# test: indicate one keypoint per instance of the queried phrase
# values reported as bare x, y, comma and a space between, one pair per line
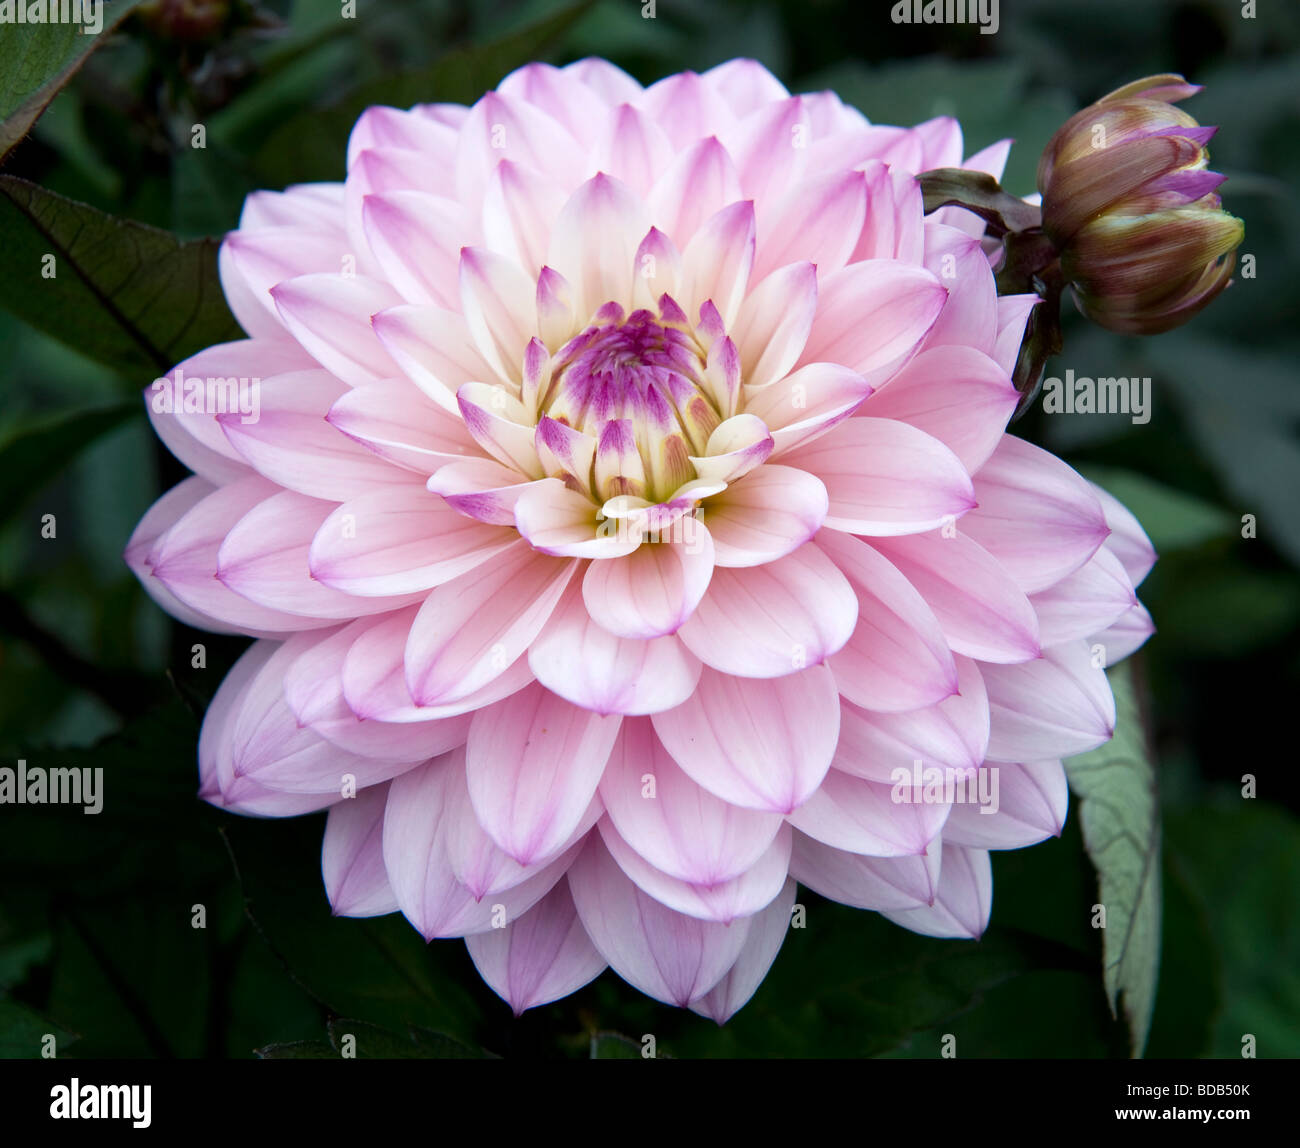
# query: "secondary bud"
1131, 205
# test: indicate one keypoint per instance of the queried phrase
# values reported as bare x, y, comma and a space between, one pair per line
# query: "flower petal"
759, 744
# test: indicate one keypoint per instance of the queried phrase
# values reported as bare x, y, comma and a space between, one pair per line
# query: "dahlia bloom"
629, 503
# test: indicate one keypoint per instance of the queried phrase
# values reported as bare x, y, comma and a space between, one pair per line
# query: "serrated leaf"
124, 294
1119, 813
37, 60
34, 450
373, 1042
297, 1050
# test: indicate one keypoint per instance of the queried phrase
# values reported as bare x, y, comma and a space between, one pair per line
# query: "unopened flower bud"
1131, 205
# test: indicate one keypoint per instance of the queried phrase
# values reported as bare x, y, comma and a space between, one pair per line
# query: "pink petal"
268, 256
352, 856
970, 316
595, 241
740, 898
435, 350
158, 519
585, 663
1058, 705
1036, 516
805, 405
184, 561
1013, 315
633, 148
886, 478
1031, 805
264, 559
374, 677
396, 421
868, 817
557, 520
651, 591
716, 263
400, 541
289, 441
533, 764
518, 212
872, 316
330, 316
879, 883
195, 437
507, 127
700, 182
769, 148
759, 744
470, 630
313, 690
771, 620
667, 955
540, 957
766, 515
1085, 602
1127, 635
767, 930
897, 658
501, 425
687, 106
951, 735
1127, 540
416, 238
745, 85
817, 219
772, 327
982, 613
957, 394
963, 902
269, 749
499, 304
415, 855
480, 488
681, 829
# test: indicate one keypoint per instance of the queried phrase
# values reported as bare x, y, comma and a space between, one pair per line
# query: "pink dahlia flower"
628, 523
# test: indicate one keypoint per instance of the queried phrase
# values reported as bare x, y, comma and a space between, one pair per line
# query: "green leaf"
852, 984
22, 1032
35, 450
313, 145
130, 296
1119, 813
36, 60
373, 1042
1241, 405
1241, 858
614, 1046
1172, 519
297, 1050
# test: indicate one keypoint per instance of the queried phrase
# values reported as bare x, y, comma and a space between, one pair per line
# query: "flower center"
635, 385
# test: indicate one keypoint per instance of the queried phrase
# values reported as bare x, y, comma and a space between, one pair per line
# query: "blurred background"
96, 943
